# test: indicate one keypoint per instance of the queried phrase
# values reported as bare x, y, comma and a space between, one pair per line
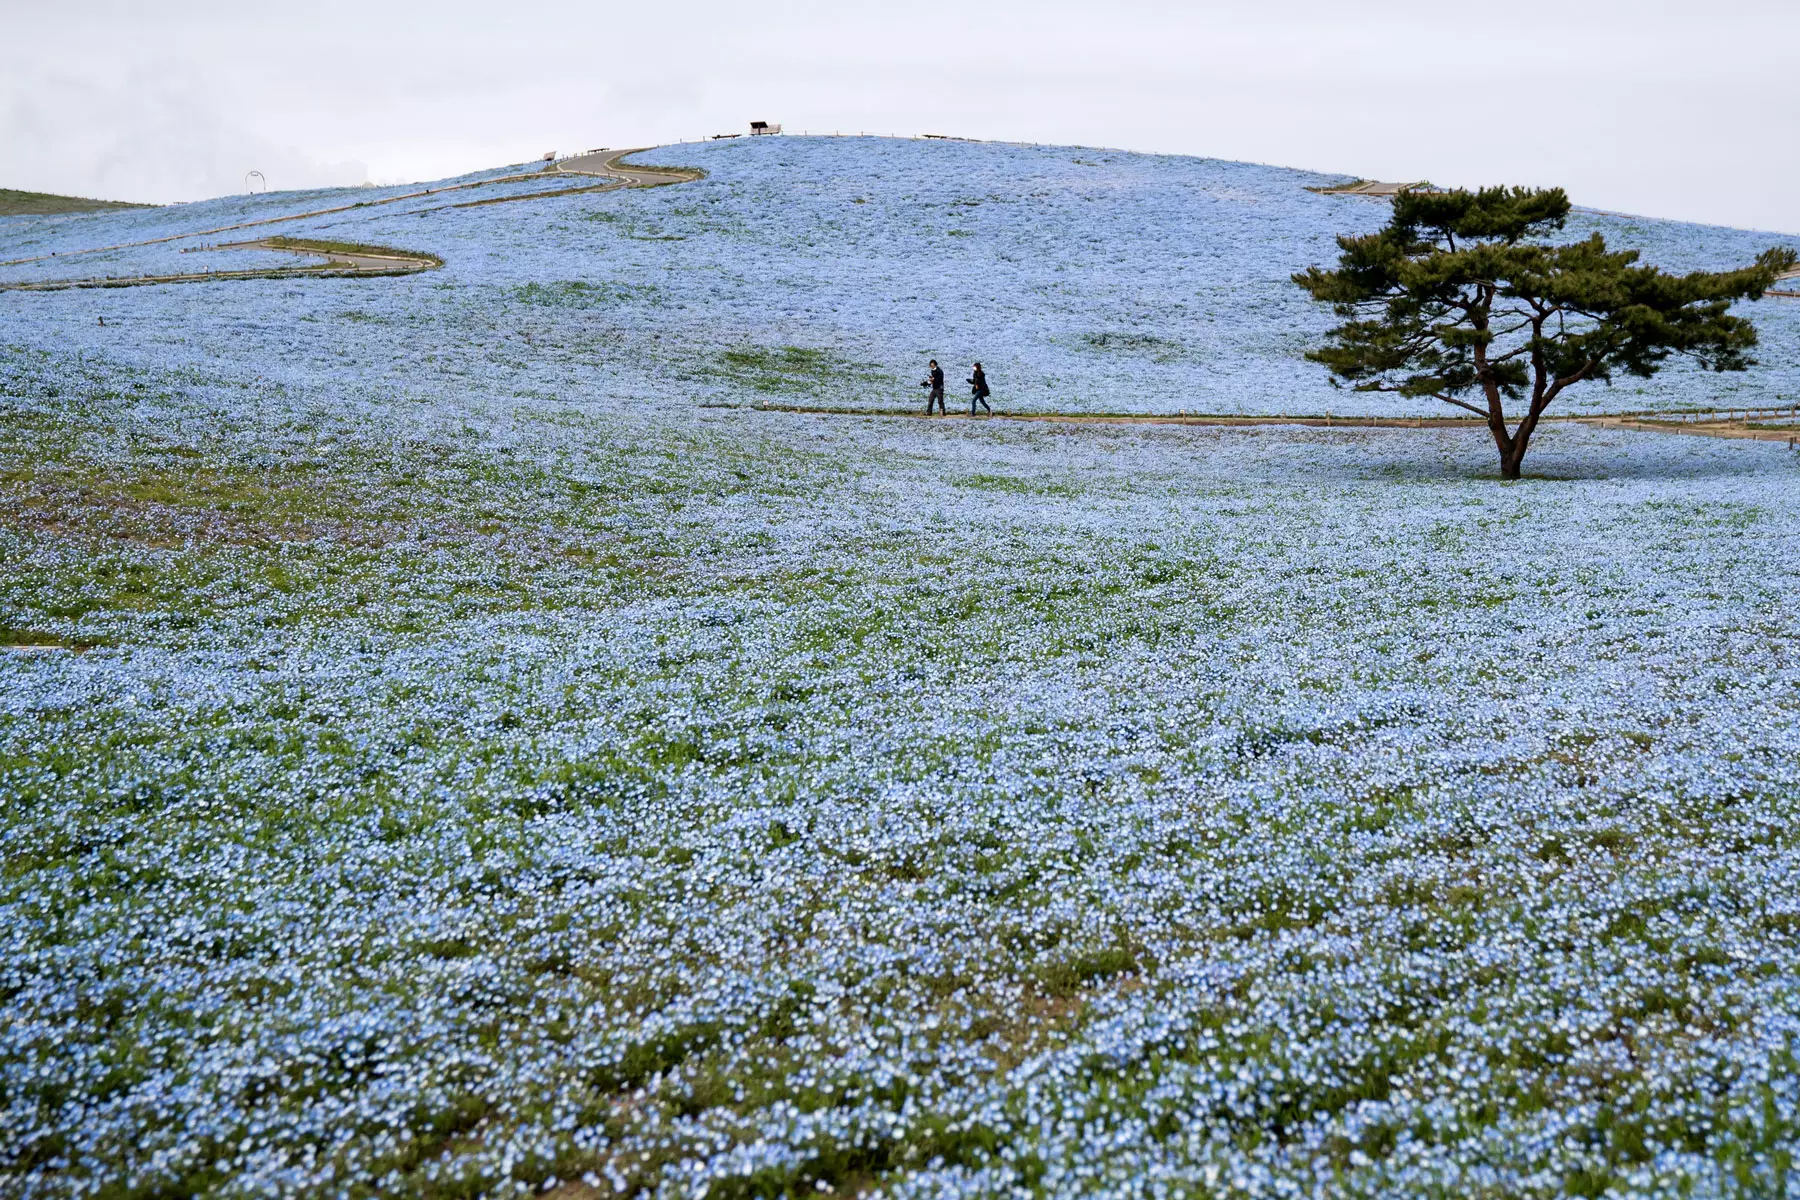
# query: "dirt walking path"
1787, 292
1744, 430
340, 261
367, 259
617, 174
611, 166
599, 164
1755, 425
301, 216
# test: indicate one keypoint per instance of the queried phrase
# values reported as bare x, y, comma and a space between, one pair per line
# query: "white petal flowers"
445, 754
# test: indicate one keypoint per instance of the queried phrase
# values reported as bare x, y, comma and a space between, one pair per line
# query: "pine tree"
1463, 298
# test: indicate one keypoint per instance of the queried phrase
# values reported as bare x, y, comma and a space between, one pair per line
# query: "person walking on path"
935, 381
978, 391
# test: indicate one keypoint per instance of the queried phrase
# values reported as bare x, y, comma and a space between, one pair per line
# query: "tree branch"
1480, 412
1566, 381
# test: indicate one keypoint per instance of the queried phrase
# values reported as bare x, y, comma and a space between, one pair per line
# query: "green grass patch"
318, 246
1124, 342
989, 482
793, 370
38, 639
40, 204
573, 293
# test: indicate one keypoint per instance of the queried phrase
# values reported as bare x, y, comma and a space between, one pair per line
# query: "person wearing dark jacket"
978, 391
935, 381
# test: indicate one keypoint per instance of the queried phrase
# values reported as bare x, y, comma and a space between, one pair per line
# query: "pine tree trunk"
1514, 458
1512, 450
1513, 447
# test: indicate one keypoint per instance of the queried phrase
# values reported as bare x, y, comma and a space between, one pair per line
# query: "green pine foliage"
1463, 297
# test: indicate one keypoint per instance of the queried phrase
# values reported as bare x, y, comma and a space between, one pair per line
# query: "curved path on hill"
599, 164
340, 261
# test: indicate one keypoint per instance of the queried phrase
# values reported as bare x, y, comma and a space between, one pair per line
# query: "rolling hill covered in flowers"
453, 742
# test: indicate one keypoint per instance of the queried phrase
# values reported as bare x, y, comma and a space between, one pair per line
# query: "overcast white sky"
1672, 109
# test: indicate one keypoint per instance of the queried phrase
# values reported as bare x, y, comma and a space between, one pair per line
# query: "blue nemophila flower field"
446, 753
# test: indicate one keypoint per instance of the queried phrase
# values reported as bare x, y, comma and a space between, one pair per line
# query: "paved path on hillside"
617, 174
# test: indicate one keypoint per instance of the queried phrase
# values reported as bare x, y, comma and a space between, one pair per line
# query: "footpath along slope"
376, 261
338, 262
1754, 425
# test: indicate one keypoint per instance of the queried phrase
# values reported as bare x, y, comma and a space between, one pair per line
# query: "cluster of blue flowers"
447, 753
